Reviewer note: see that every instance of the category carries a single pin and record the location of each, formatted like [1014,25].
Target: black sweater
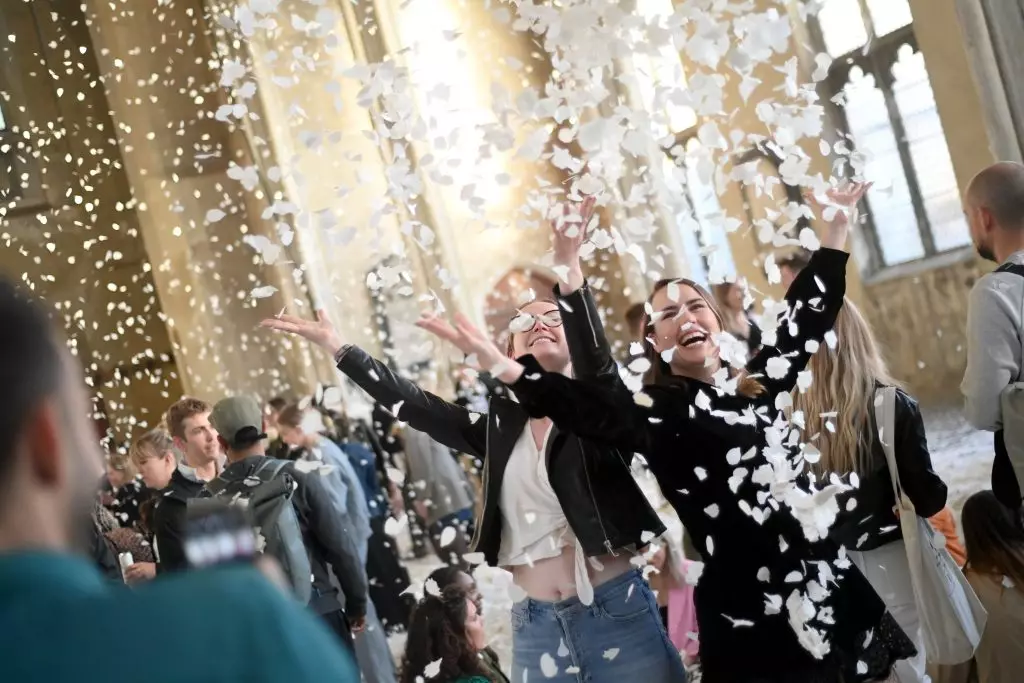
[169,516]
[712,456]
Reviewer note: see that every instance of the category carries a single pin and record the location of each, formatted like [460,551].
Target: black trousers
[338,623]
[388,579]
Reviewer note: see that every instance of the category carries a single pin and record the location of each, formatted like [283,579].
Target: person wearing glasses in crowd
[562,513]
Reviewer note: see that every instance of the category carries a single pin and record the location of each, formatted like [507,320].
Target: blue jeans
[580,641]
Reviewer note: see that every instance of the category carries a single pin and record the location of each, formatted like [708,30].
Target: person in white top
[567,533]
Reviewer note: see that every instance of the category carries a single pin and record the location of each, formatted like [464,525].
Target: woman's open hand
[320,331]
[469,339]
[568,233]
[837,211]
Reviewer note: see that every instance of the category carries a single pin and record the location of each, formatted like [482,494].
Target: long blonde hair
[843,383]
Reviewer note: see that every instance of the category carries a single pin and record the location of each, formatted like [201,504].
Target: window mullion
[869,24]
[882,66]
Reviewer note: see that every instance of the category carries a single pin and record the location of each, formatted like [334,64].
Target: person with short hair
[239,424]
[155,457]
[188,423]
[994,205]
[635,321]
[791,265]
[57,612]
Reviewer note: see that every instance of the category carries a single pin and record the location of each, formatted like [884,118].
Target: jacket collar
[190,474]
[508,419]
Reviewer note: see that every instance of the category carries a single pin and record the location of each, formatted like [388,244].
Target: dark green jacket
[62,621]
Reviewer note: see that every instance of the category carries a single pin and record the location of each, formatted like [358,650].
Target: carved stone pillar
[197,193]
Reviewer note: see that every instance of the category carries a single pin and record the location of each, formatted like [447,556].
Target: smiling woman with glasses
[561,513]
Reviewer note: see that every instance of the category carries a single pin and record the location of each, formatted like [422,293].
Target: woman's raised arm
[813,301]
[450,424]
[587,408]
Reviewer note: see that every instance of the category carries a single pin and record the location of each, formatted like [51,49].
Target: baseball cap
[238,420]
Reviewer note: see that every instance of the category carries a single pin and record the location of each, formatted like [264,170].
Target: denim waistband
[574,604]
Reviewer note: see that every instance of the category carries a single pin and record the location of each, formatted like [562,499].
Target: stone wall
[920,319]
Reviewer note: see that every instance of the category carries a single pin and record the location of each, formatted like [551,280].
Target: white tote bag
[952,617]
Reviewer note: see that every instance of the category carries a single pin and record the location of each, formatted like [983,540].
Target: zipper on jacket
[593,499]
[590,322]
[487,478]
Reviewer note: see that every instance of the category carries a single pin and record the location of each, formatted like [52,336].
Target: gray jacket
[435,476]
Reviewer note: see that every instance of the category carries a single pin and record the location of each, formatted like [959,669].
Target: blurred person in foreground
[57,613]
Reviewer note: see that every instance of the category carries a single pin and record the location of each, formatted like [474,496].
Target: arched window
[879,80]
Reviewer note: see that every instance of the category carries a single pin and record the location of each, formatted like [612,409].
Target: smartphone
[217,533]
[125,560]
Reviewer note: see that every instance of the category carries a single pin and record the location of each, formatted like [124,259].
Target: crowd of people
[720,504]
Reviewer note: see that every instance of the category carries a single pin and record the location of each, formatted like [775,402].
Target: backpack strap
[214,487]
[266,471]
[269,468]
[1010,267]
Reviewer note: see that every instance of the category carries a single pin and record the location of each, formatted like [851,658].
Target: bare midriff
[553,579]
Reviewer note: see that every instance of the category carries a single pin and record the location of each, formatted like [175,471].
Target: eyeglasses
[525,321]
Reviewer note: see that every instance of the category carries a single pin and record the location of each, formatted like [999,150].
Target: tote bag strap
[885,419]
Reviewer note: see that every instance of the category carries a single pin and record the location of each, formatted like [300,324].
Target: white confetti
[548,667]
[433,669]
[447,536]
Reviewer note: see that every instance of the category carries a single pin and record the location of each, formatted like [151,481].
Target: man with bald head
[994,205]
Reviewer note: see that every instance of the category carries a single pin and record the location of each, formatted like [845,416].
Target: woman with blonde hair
[838,414]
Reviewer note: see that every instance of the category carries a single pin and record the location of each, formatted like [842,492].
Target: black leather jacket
[873,523]
[602,502]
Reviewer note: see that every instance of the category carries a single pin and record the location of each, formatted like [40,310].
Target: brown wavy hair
[994,537]
[438,632]
[660,372]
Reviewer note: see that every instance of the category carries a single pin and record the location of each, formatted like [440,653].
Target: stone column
[189,178]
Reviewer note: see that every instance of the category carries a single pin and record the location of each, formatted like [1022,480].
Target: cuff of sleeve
[530,368]
[572,296]
[342,352]
[831,258]
[354,610]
